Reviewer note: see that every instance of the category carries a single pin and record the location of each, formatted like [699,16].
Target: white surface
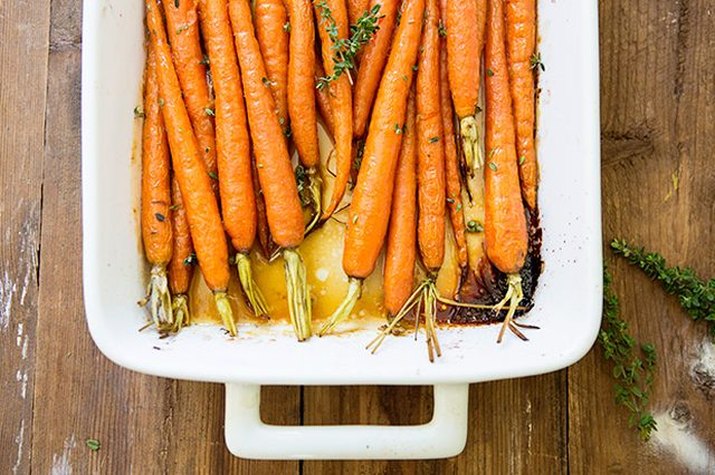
[443,436]
[568,299]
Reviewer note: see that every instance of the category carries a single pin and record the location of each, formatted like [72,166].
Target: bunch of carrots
[233,87]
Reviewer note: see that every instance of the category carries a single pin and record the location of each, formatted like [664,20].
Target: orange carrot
[201,207]
[333,14]
[521,44]
[355,9]
[156,199]
[399,277]
[323,100]
[181,268]
[465,39]
[370,209]
[275,172]
[374,56]
[430,145]
[301,100]
[505,226]
[454,183]
[272,27]
[183,31]
[301,82]
[238,202]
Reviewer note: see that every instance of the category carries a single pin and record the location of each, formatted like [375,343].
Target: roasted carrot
[275,172]
[374,56]
[451,160]
[521,44]
[431,192]
[272,30]
[355,9]
[181,267]
[301,101]
[399,278]
[505,226]
[156,199]
[323,100]
[370,209]
[465,39]
[238,202]
[333,27]
[183,31]
[199,200]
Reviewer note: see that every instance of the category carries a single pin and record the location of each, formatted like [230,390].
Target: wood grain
[658,110]
[23,82]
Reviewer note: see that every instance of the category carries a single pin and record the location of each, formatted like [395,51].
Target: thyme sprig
[346,49]
[633,375]
[695,295]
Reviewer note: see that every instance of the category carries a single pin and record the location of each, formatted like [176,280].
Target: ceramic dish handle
[444,436]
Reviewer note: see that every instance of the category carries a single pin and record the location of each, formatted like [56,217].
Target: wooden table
[57,390]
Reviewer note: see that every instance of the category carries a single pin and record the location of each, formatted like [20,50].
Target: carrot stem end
[224,309]
[248,284]
[299,306]
[158,298]
[346,306]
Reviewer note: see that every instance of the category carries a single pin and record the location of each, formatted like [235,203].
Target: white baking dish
[568,299]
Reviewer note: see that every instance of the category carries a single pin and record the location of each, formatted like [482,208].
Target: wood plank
[516,426]
[144,424]
[658,110]
[23,79]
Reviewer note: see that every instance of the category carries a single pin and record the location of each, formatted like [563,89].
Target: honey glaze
[322,253]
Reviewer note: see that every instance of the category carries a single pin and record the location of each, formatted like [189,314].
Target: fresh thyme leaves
[493,166]
[210,112]
[190,259]
[213,175]
[181,29]
[139,112]
[442,29]
[399,130]
[695,295]
[474,226]
[633,375]
[286,27]
[346,49]
[205,60]
[93,444]
[536,62]
[160,217]
[433,139]
[490,73]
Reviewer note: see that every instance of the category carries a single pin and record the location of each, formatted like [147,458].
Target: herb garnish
[160,217]
[474,226]
[490,73]
[213,175]
[634,377]
[346,49]
[695,295]
[139,112]
[441,28]
[210,112]
[286,27]
[303,182]
[93,444]
[536,62]
[433,139]
[190,259]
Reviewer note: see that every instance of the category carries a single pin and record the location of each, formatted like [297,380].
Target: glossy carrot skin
[155,194]
[451,156]
[431,192]
[183,30]
[369,212]
[323,100]
[190,170]
[180,270]
[505,226]
[275,172]
[270,18]
[521,45]
[374,57]
[238,203]
[301,82]
[340,94]
[465,21]
[399,278]
[355,9]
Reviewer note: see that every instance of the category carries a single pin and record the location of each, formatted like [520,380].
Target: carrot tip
[298,294]
[158,298]
[224,309]
[180,307]
[345,307]
[473,155]
[250,288]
